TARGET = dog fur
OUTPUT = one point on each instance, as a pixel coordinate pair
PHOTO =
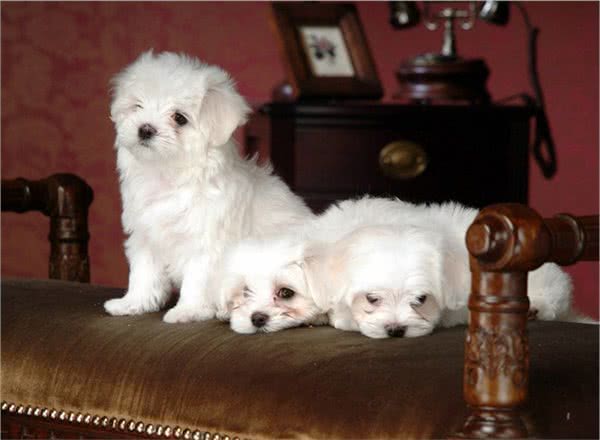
(380, 266)
(186, 192)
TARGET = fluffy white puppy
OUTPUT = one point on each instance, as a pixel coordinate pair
(380, 266)
(186, 192)
(263, 286)
(256, 271)
(380, 279)
(405, 281)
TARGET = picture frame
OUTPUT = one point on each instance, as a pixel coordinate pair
(325, 51)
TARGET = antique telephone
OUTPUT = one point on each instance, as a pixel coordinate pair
(445, 76)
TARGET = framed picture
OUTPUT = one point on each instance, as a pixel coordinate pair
(325, 51)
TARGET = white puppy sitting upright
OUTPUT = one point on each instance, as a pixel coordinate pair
(186, 192)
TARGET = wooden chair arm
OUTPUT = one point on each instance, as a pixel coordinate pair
(505, 242)
(65, 198)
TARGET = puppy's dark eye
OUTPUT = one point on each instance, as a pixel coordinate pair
(285, 293)
(247, 292)
(373, 299)
(180, 119)
(421, 299)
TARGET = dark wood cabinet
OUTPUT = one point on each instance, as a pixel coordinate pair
(476, 155)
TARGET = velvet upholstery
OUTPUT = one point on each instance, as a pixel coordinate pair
(60, 350)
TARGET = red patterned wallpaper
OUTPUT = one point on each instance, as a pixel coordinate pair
(58, 58)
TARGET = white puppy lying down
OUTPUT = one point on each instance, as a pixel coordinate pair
(187, 194)
(384, 267)
(263, 286)
(255, 270)
(405, 281)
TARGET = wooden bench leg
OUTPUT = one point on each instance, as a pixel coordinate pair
(496, 356)
(505, 242)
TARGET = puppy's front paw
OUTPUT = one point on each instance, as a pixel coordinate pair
(342, 321)
(223, 315)
(186, 313)
(127, 306)
(321, 319)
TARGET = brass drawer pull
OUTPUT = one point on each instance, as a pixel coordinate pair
(402, 160)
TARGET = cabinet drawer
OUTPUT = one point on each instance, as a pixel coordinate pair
(347, 159)
(458, 165)
(476, 155)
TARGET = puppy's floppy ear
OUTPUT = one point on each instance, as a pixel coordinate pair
(222, 109)
(312, 266)
(122, 82)
(427, 307)
(236, 298)
(232, 293)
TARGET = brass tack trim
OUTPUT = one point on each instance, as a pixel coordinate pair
(113, 422)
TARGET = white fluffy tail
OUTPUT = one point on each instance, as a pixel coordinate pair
(550, 292)
(573, 316)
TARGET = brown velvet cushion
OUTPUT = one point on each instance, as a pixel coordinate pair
(60, 350)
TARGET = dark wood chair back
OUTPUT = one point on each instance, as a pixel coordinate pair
(65, 199)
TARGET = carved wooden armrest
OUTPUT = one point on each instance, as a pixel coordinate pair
(505, 242)
(65, 198)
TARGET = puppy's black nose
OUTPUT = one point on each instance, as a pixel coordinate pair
(146, 131)
(395, 331)
(259, 319)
